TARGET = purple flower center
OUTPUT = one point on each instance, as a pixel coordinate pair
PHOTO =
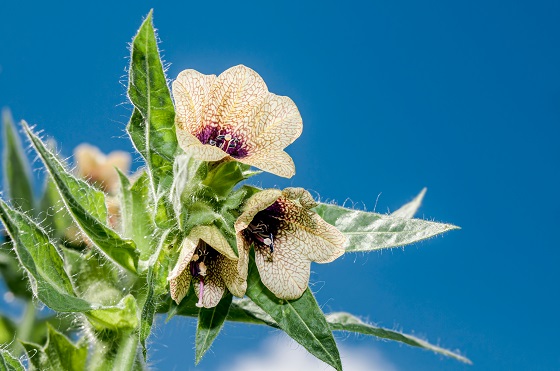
(264, 228)
(223, 139)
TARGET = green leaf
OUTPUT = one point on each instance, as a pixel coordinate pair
(17, 176)
(347, 322)
(371, 231)
(156, 286)
(244, 310)
(87, 207)
(301, 319)
(8, 362)
(137, 223)
(14, 276)
(223, 176)
(210, 322)
(7, 330)
(42, 261)
(55, 216)
(122, 316)
(408, 210)
(152, 126)
(59, 353)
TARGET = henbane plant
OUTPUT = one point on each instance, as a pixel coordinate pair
(186, 235)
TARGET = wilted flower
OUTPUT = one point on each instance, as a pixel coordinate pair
(287, 236)
(207, 257)
(234, 116)
(99, 169)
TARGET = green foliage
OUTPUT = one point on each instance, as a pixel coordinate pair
(367, 231)
(59, 353)
(210, 322)
(8, 362)
(151, 127)
(17, 175)
(301, 319)
(87, 207)
(66, 250)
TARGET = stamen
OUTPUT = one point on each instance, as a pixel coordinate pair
(200, 293)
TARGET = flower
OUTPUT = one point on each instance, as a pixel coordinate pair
(99, 169)
(287, 236)
(207, 258)
(234, 116)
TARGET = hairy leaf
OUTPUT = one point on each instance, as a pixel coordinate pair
(210, 322)
(8, 362)
(408, 210)
(118, 317)
(152, 126)
(42, 261)
(17, 177)
(137, 223)
(59, 353)
(244, 310)
(301, 319)
(347, 322)
(155, 287)
(368, 231)
(87, 207)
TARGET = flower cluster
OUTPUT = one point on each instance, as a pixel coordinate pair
(234, 117)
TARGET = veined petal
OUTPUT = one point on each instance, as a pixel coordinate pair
(233, 95)
(275, 162)
(190, 91)
(276, 123)
(234, 273)
(204, 152)
(254, 205)
(287, 236)
(285, 272)
(212, 236)
(180, 277)
(211, 287)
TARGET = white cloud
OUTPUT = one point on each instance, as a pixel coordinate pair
(279, 353)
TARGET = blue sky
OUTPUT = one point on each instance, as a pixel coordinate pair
(460, 97)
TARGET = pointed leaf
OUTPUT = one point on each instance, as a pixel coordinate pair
(42, 261)
(371, 231)
(301, 319)
(14, 276)
(8, 362)
(7, 330)
(137, 223)
(152, 126)
(17, 176)
(87, 207)
(59, 353)
(210, 322)
(122, 316)
(408, 210)
(243, 310)
(347, 322)
(156, 286)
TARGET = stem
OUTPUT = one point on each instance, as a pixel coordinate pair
(126, 351)
(27, 321)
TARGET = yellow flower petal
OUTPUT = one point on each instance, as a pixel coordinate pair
(234, 94)
(190, 90)
(98, 169)
(287, 237)
(214, 286)
(235, 115)
(180, 277)
(285, 272)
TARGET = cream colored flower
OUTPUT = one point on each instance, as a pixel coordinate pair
(287, 236)
(208, 258)
(99, 169)
(234, 116)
